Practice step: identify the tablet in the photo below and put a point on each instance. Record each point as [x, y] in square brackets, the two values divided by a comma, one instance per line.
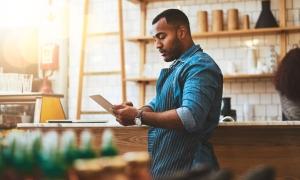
[103, 102]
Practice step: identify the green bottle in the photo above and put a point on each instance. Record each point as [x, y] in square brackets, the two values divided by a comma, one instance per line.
[68, 147]
[108, 147]
[51, 159]
[1, 158]
[86, 146]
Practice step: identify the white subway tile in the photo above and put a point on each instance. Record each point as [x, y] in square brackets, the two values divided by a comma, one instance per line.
[235, 41]
[275, 4]
[275, 98]
[270, 40]
[236, 87]
[226, 87]
[260, 110]
[290, 15]
[265, 98]
[254, 98]
[212, 43]
[233, 99]
[260, 86]
[229, 53]
[270, 87]
[296, 4]
[259, 118]
[272, 110]
[297, 18]
[224, 42]
[239, 111]
[242, 99]
[247, 87]
[241, 53]
[218, 53]
[289, 4]
[252, 6]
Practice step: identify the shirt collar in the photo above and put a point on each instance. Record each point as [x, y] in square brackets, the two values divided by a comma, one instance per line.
[192, 50]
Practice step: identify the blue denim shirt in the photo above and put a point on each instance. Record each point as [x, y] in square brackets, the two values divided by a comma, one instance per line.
[193, 86]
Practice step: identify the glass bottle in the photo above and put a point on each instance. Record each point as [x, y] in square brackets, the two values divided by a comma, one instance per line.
[86, 146]
[108, 147]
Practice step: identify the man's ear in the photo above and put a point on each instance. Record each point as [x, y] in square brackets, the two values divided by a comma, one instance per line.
[181, 32]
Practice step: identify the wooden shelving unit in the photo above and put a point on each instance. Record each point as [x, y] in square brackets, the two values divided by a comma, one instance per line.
[82, 73]
[149, 1]
[247, 76]
[142, 79]
[142, 39]
[148, 80]
[227, 33]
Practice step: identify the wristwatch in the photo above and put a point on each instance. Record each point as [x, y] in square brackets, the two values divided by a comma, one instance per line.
[138, 118]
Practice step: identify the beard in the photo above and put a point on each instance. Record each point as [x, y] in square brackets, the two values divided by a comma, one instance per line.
[174, 52]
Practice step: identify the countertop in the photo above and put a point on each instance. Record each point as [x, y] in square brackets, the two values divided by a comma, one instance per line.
[115, 125]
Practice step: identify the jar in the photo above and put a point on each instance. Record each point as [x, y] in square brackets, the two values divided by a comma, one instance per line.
[217, 18]
[137, 165]
[233, 19]
[202, 19]
[112, 168]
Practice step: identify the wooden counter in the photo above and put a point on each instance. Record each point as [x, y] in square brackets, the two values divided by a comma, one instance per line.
[238, 146]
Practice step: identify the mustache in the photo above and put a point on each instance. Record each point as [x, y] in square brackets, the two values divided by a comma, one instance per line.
[162, 50]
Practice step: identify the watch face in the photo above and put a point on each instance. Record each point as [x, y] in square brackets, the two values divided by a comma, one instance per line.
[138, 121]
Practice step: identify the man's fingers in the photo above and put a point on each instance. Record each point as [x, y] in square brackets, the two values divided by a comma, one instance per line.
[118, 106]
[128, 103]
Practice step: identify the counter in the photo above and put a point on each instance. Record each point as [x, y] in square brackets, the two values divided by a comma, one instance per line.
[239, 146]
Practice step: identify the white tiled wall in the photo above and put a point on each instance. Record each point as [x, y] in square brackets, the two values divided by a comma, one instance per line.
[260, 93]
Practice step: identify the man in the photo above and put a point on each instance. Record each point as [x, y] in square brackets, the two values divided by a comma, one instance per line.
[186, 108]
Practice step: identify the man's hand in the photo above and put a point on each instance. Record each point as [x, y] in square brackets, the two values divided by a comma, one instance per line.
[128, 103]
[125, 114]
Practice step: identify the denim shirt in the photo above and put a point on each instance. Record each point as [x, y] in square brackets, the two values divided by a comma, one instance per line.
[193, 86]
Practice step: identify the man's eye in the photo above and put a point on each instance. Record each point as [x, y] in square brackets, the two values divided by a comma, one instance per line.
[162, 36]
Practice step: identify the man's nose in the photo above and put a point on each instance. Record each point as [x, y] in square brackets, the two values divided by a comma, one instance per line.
[158, 44]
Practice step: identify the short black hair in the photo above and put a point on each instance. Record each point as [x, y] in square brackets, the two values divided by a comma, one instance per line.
[174, 17]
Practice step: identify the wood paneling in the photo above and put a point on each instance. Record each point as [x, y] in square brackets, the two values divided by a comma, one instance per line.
[242, 148]
[238, 148]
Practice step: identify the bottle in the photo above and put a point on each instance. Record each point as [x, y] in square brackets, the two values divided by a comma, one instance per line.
[227, 114]
[272, 61]
[108, 147]
[266, 18]
[226, 106]
[86, 147]
[251, 61]
[52, 160]
[68, 147]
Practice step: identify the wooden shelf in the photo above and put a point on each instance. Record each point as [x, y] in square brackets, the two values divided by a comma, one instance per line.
[247, 76]
[101, 73]
[147, 80]
[142, 79]
[96, 34]
[148, 1]
[228, 33]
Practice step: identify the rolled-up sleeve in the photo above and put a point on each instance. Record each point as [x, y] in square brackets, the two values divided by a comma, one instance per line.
[199, 91]
[151, 104]
[186, 118]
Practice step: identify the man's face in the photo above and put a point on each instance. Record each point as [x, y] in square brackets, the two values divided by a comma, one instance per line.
[165, 40]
